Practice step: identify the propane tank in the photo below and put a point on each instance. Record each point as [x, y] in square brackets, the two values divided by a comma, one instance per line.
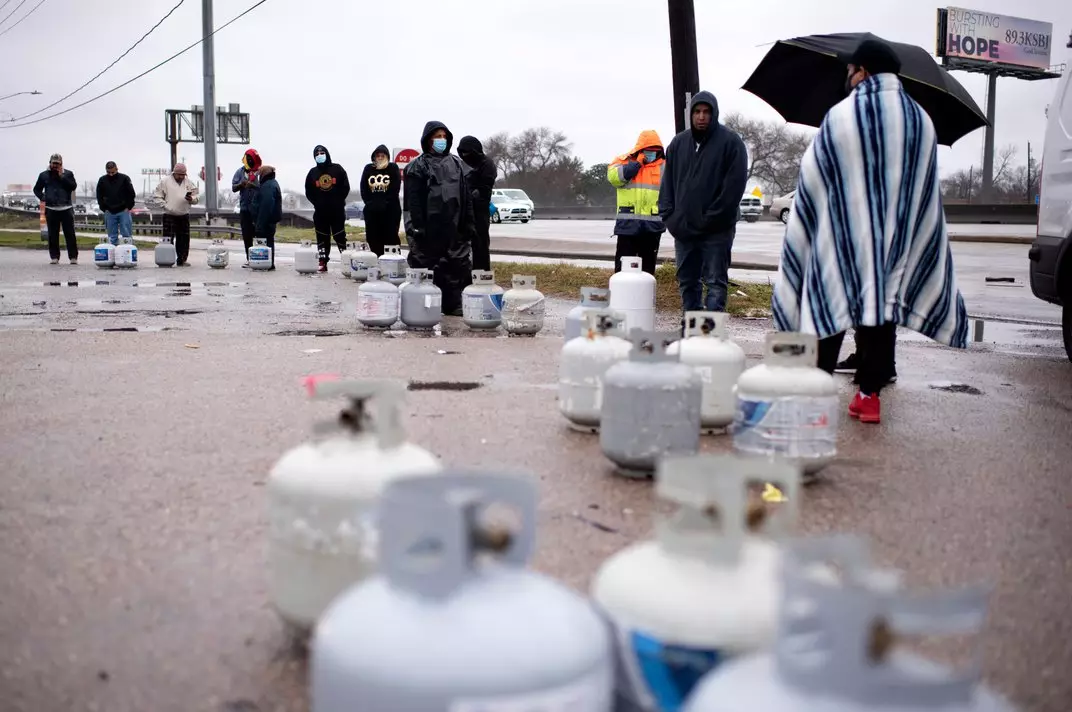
[706, 588]
[306, 258]
[422, 301]
[708, 349]
[104, 254]
[322, 498]
[837, 645]
[164, 255]
[651, 406]
[632, 292]
[345, 259]
[260, 255]
[787, 406]
[523, 307]
[392, 265]
[360, 260]
[592, 299]
[218, 254]
[582, 365]
[377, 301]
[453, 621]
[482, 301]
[126, 253]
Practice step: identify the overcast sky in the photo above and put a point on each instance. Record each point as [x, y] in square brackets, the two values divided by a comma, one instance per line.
[353, 73]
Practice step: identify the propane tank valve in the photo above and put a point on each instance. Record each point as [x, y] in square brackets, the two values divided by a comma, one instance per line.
[880, 641]
[492, 539]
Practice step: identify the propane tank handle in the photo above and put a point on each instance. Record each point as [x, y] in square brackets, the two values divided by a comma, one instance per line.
[650, 346]
[523, 281]
[414, 275]
[594, 296]
[603, 321]
[706, 323]
[430, 534]
[392, 250]
[361, 246]
[388, 397]
[790, 348]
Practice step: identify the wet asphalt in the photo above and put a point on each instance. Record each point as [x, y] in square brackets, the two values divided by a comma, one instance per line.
[141, 412]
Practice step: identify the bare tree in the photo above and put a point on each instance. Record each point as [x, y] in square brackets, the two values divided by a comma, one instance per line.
[774, 151]
[1004, 164]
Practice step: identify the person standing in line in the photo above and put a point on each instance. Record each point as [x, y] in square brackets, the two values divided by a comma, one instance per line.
[55, 187]
[851, 363]
[636, 176]
[267, 207]
[327, 187]
[699, 201]
[481, 182]
[175, 194]
[866, 244]
[115, 198]
[381, 184]
[245, 184]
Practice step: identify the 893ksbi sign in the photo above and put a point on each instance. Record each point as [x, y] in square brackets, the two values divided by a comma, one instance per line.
[999, 39]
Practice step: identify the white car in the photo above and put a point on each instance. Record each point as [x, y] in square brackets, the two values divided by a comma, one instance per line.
[513, 195]
[751, 208]
[506, 210]
[783, 206]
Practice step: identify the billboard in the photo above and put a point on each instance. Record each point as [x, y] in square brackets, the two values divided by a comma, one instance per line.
[999, 39]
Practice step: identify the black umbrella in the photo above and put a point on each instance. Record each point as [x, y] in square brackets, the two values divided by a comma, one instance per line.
[803, 78]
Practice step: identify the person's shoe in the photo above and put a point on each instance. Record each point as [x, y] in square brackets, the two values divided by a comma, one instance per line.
[866, 409]
[323, 265]
[182, 264]
[54, 262]
[245, 266]
[74, 260]
[270, 268]
[849, 365]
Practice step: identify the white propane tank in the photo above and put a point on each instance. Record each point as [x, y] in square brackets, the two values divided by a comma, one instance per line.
[126, 254]
[837, 646]
[632, 292]
[482, 302]
[454, 622]
[104, 254]
[651, 406]
[523, 307]
[377, 301]
[164, 255]
[706, 589]
[720, 362]
[787, 406]
[392, 265]
[322, 498]
[260, 255]
[306, 258]
[218, 254]
[582, 364]
[345, 260]
[360, 260]
[592, 299]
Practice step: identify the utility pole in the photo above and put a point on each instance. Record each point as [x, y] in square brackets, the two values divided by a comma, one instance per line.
[209, 66]
[1029, 190]
[684, 65]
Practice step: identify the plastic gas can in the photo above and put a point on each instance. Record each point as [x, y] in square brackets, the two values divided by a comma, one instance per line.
[260, 255]
[377, 301]
[720, 362]
[360, 260]
[482, 301]
[322, 498]
[164, 255]
[523, 307]
[651, 406]
[422, 301]
[706, 589]
[104, 254]
[345, 260]
[218, 254]
[126, 254]
[454, 622]
[632, 292]
[592, 299]
[306, 258]
[583, 363]
[837, 644]
[392, 265]
[787, 406]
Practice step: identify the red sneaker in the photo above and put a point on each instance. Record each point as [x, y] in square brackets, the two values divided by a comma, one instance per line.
[323, 265]
[868, 408]
[854, 406]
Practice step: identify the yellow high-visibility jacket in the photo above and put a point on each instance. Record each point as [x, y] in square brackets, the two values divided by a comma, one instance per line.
[638, 182]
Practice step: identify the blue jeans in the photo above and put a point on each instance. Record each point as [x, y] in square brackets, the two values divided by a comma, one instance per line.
[116, 223]
[704, 263]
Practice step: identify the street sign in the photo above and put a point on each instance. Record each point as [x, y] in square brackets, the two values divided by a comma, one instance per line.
[219, 174]
[155, 171]
[405, 155]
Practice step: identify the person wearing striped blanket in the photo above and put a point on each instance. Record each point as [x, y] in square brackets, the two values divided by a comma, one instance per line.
[866, 244]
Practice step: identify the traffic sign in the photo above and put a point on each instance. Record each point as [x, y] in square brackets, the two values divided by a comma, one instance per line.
[405, 155]
[155, 171]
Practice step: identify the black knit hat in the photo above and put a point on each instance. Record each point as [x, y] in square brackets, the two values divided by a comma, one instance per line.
[876, 57]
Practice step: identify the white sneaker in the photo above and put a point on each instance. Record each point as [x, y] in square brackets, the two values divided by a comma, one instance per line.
[55, 262]
[74, 260]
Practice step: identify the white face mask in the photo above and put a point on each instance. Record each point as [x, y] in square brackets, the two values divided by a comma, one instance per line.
[380, 163]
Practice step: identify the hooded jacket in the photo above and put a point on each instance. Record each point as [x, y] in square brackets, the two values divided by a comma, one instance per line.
[251, 164]
[267, 205]
[482, 176]
[380, 188]
[327, 185]
[704, 178]
[439, 207]
[115, 194]
[638, 187]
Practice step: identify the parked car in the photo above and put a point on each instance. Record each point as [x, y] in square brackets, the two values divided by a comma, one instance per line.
[355, 210]
[783, 206]
[92, 210]
[141, 213]
[514, 195]
[751, 208]
[507, 210]
[1051, 254]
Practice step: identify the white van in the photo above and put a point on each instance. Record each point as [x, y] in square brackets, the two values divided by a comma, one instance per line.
[1051, 254]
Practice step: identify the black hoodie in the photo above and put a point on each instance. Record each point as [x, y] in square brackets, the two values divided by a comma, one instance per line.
[380, 188]
[327, 185]
[439, 207]
[482, 178]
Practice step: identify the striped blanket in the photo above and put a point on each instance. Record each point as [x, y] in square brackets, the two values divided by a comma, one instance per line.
[866, 241]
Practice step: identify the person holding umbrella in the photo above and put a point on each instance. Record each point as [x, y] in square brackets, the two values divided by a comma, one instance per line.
[866, 243]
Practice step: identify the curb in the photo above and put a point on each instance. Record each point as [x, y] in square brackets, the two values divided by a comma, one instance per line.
[994, 239]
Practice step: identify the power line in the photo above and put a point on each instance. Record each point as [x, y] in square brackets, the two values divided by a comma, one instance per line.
[13, 11]
[131, 49]
[22, 18]
[152, 69]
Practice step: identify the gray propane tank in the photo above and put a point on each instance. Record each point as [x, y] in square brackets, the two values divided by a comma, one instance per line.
[422, 301]
[454, 622]
[361, 258]
[377, 301]
[836, 649]
[706, 589]
[592, 299]
[720, 362]
[392, 265]
[164, 255]
[651, 406]
[482, 301]
[786, 406]
[583, 363]
[523, 307]
[218, 255]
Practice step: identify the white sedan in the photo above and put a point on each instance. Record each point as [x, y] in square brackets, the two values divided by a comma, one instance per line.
[783, 206]
[510, 211]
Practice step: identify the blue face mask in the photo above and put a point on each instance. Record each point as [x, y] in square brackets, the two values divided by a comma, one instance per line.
[439, 145]
[649, 156]
[321, 158]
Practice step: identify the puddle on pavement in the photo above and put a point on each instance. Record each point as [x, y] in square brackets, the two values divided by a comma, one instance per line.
[443, 385]
[950, 387]
[308, 332]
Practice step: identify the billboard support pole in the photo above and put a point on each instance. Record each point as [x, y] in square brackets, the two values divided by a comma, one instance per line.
[209, 70]
[683, 62]
[988, 140]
